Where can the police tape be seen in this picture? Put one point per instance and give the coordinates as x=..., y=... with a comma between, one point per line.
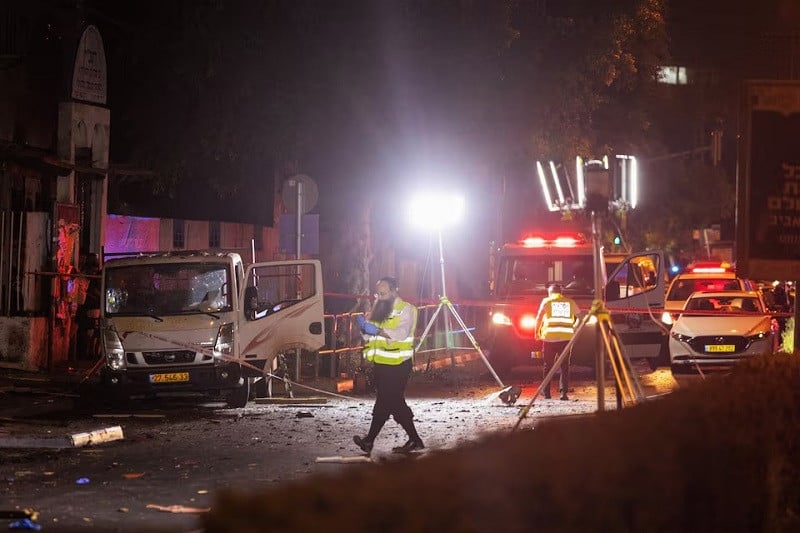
x=230, y=359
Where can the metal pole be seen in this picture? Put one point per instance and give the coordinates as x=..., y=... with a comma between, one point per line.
x=299, y=215
x=13, y=217
x=297, y=351
x=20, y=244
x=448, y=342
x=441, y=263
x=599, y=360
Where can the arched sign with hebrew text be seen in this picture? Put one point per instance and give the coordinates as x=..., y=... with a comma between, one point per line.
x=89, y=82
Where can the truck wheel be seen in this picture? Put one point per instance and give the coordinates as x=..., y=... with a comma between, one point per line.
x=501, y=357
x=238, y=397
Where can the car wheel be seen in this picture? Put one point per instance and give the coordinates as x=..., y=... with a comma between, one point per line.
x=239, y=396
x=679, y=369
x=501, y=357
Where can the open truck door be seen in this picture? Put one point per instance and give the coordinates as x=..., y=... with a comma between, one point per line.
x=281, y=307
x=634, y=295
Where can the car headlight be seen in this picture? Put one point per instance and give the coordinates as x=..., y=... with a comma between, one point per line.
x=224, y=343
x=757, y=336
x=501, y=319
x=112, y=345
x=680, y=337
x=667, y=318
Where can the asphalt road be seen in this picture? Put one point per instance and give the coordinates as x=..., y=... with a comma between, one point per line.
x=181, y=452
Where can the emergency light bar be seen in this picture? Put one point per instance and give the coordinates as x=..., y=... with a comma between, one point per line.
x=561, y=241
x=710, y=268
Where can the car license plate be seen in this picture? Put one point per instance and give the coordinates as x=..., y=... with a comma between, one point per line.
x=173, y=377
x=716, y=348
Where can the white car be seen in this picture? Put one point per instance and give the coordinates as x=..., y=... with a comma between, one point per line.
x=701, y=277
x=716, y=330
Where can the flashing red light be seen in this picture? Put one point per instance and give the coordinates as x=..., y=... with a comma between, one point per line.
x=562, y=241
x=533, y=242
x=710, y=268
x=565, y=242
x=527, y=322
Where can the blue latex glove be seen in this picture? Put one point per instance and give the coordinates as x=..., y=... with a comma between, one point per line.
x=361, y=321
x=370, y=329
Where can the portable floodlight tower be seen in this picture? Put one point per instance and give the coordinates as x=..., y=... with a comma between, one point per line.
x=596, y=189
x=434, y=212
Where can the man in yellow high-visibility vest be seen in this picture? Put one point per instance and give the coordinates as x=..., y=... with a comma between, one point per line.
x=555, y=326
x=389, y=345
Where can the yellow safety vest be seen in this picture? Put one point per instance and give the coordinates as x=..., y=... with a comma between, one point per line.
x=559, y=315
x=383, y=351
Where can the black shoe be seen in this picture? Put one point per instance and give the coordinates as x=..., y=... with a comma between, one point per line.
x=410, y=446
x=364, y=444
x=564, y=397
x=546, y=395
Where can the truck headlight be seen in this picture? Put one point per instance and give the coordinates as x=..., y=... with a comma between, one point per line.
x=224, y=343
x=112, y=345
x=501, y=319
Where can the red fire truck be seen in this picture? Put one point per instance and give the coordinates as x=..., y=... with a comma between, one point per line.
x=634, y=292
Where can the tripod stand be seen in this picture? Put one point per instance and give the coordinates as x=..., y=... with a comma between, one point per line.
x=509, y=394
x=629, y=390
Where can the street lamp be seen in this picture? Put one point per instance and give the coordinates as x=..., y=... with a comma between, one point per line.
x=434, y=211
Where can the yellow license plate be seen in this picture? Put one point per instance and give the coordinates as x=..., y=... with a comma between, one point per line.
x=173, y=377
x=715, y=348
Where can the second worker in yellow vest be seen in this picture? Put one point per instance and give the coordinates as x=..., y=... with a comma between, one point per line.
x=555, y=326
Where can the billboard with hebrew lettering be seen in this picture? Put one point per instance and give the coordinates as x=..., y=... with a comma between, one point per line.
x=768, y=181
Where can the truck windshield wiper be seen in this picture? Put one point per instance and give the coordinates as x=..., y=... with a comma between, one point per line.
x=201, y=312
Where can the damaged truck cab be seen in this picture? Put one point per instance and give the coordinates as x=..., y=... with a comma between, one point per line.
x=202, y=322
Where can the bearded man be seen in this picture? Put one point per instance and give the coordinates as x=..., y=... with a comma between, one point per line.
x=389, y=345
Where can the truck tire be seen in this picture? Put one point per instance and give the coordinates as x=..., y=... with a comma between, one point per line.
x=239, y=396
x=503, y=357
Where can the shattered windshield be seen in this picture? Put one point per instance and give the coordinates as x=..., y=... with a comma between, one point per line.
x=526, y=275
x=167, y=289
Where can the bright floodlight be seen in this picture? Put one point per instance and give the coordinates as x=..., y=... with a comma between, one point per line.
x=437, y=210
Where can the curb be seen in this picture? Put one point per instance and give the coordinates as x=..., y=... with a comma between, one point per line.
x=456, y=360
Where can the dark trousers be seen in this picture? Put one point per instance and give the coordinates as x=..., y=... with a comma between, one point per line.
x=390, y=388
x=550, y=351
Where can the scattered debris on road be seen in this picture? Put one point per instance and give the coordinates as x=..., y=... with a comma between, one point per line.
x=97, y=436
x=76, y=440
x=178, y=508
x=292, y=401
x=345, y=459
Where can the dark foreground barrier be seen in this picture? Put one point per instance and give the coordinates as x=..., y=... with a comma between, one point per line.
x=721, y=456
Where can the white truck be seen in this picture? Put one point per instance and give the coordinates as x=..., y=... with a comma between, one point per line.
x=203, y=322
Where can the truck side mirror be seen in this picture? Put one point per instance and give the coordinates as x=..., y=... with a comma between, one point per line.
x=250, y=301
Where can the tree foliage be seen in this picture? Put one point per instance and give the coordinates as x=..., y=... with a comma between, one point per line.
x=691, y=195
